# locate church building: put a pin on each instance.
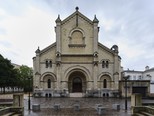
(77, 62)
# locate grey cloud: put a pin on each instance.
(5, 43)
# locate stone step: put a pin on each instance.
(16, 115)
(146, 114)
(9, 114)
(138, 114)
(76, 95)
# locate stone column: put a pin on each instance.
(96, 30)
(58, 51)
(58, 76)
(116, 69)
(58, 34)
(95, 51)
(95, 76)
(18, 100)
(36, 65)
(136, 100)
(116, 81)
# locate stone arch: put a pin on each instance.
(82, 69)
(48, 73)
(105, 73)
(81, 73)
(76, 36)
(105, 81)
(46, 78)
(76, 29)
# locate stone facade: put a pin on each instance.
(138, 82)
(77, 62)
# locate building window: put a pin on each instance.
(49, 83)
(104, 83)
(134, 77)
(48, 63)
(105, 64)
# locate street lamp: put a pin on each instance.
(126, 78)
(29, 94)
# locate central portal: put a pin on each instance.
(77, 82)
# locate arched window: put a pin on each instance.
(46, 95)
(103, 64)
(49, 83)
(46, 63)
(104, 83)
(50, 63)
(107, 64)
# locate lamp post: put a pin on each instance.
(126, 78)
(29, 94)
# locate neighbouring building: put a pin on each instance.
(16, 66)
(139, 82)
(76, 62)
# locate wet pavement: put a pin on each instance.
(87, 107)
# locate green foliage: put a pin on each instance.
(26, 74)
(12, 77)
(6, 72)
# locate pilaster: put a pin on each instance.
(58, 34)
(96, 30)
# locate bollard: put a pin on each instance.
(100, 110)
(36, 107)
(116, 107)
(76, 107)
(56, 107)
(98, 105)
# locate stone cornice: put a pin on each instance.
(79, 15)
(105, 48)
(77, 55)
(47, 48)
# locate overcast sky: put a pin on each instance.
(27, 24)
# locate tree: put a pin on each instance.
(15, 78)
(26, 74)
(7, 73)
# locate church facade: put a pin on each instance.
(77, 62)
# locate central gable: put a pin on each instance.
(77, 34)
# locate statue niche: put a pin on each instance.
(76, 39)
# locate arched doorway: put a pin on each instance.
(48, 82)
(105, 82)
(77, 84)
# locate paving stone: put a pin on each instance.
(87, 107)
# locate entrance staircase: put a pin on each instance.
(143, 114)
(76, 94)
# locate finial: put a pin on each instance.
(38, 50)
(95, 19)
(58, 19)
(77, 8)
